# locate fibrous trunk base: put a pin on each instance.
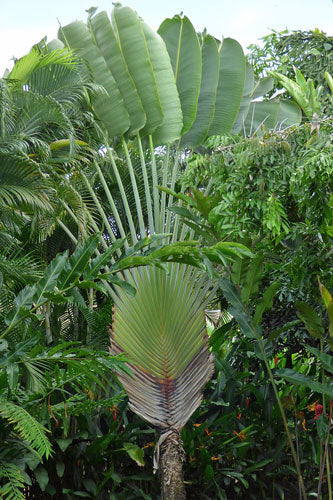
(171, 468)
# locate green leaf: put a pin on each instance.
(22, 303)
(245, 102)
(87, 284)
(262, 87)
(3, 345)
(184, 50)
(232, 76)
(261, 114)
(258, 465)
(29, 63)
(64, 443)
(60, 467)
(301, 379)
(266, 303)
(322, 427)
(209, 472)
(187, 199)
(110, 108)
(203, 202)
(287, 326)
(77, 262)
(171, 128)
(110, 49)
(296, 92)
(27, 427)
(237, 309)
(13, 373)
(252, 278)
(95, 265)
(13, 481)
(325, 359)
(207, 96)
(310, 318)
(129, 289)
(133, 44)
(329, 80)
(289, 114)
(328, 301)
(51, 274)
(135, 452)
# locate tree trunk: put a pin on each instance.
(171, 468)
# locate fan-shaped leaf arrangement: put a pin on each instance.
(162, 329)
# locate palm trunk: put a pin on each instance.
(171, 468)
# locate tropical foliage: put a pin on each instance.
(163, 233)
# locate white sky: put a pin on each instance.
(24, 23)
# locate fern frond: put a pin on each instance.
(27, 427)
(12, 489)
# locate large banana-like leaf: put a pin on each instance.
(162, 330)
(207, 97)
(134, 48)
(246, 100)
(172, 125)
(274, 114)
(184, 51)
(230, 87)
(109, 46)
(111, 110)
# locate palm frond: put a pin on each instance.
(18, 269)
(21, 183)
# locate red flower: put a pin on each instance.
(318, 411)
(239, 416)
(276, 361)
(247, 401)
(114, 411)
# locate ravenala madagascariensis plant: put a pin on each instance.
(168, 89)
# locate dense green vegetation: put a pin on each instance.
(165, 270)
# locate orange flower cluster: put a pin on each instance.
(240, 434)
(148, 445)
